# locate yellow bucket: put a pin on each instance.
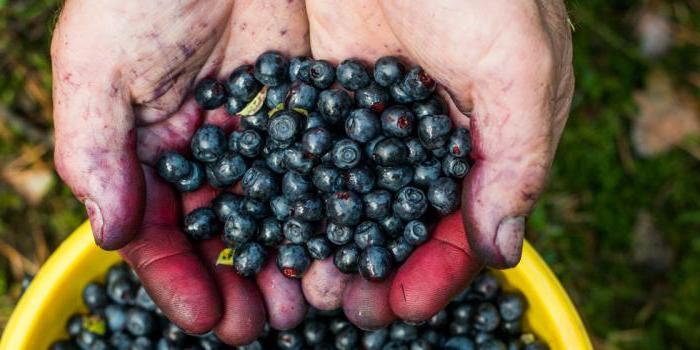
(55, 294)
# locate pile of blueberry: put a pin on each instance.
(348, 169)
(123, 317)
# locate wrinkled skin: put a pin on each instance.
(122, 75)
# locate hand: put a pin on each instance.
(506, 71)
(122, 76)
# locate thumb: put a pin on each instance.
(95, 153)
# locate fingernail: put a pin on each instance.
(509, 239)
(96, 220)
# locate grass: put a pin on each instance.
(584, 225)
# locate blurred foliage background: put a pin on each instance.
(619, 222)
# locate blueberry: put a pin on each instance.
(375, 263)
(462, 313)
(346, 258)
(234, 105)
(296, 160)
(416, 152)
(226, 170)
(439, 152)
(434, 337)
(388, 70)
(377, 204)
(397, 121)
(374, 340)
(95, 296)
(373, 97)
(316, 142)
(260, 183)
(270, 232)
(299, 69)
(327, 178)
(271, 68)
(346, 339)
(285, 126)
(339, 234)
(362, 125)
(314, 332)
(122, 291)
(346, 154)
(427, 173)
(391, 225)
(511, 328)
(250, 143)
(249, 258)
(297, 231)
(277, 95)
(255, 208)
(400, 249)
(257, 121)
(302, 96)
(432, 106)
(100, 344)
(399, 94)
(63, 345)
(455, 167)
(238, 229)
(308, 208)
(486, 317)
(390, 152)
(395, 345)
(210, 93)
(434, 130)
(360, 179)
(208, 143)
(421, 344)
(394, 178)
(459, 328)
(410, 203)
(210, 341)
(481, 337)
(120, 341)
(334, 105)
(372, 144)
(344, 208)
(368, 233)
(233, 138)
(402, 331)
(295, 185)
(415, 233)
(443, 195)
(144, 300)
(485, 287)
(201, 224)
(290, 340)
(319, 248)
(418, 84)
(352, 75)
(459, 343)
(492, 344)
(174, 335)
(242, 83)
(460, 143)
(336, 325)
(536, 345)
(275, 161)
(140, 322)
(225, 204)
(439, 319)
(86, 339)
(173, 166)
(322, 74)
(193, 180)
(117, 272)
(315, 120)
(293, 260)
(75, 324)
(511, 306)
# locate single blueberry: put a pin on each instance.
(225, 204)
(421, 344)
(339, 234)
(314, 332)
(238, 229)
(375, 263)
(120, 341)
(360, 179)
(327, 178)
(374, 340)
(373, 97)
(95, 296)
(388, 70)
(293, 260)
(299, 69)
(242, 83)
(434, 337)
(346, 154)
(410, 203)
(117, 272)
(460, 143)
(193, 180)
(400, 249)
(439, 319)
(201, 224)
(322, 74)
(390, 152)
(208, 143)
(459, 328)
(432, 106)
(172, 166)
(174, 335)
(226, 170)
(270, 232)
(492, 344)
(296, 160)
(257, 121)
(336, 325)
(394, 178)
(281, 208)
(481, 337)
(315, 120)
(397, 121)
(75, 324)
(319, 248)
(352, 75)
(485, 287)
(372, 144)
(210, 93)
(344, 208)
(402, 331)
(399, 94)
(144, 300)
(140, 322)
(511, 328)
(511, 306)
(255, 208)
(295, 185)
(362, 125)
(142, 343)
(290, 340)
(260, 183)
(297, 231)
(346, 258)
(415, 233)
(276, 161)
(418, 84)
(443, 195)
(308, 208)
(277, 95)
(462, 313)
(115, 315)
(391, 225)
(416, 152)
(334, 105)
(347, 339)
(368, 233)
(249, 258)
(459, 343)
(250, 143)
(434, 130)
(271, 68)
(395, 345)
(427, 173)
(302, 96)
(486, 317)
(234, 105)
(316, 142)
(377, 204)
(455, 167)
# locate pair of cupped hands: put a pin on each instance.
(123, 76)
